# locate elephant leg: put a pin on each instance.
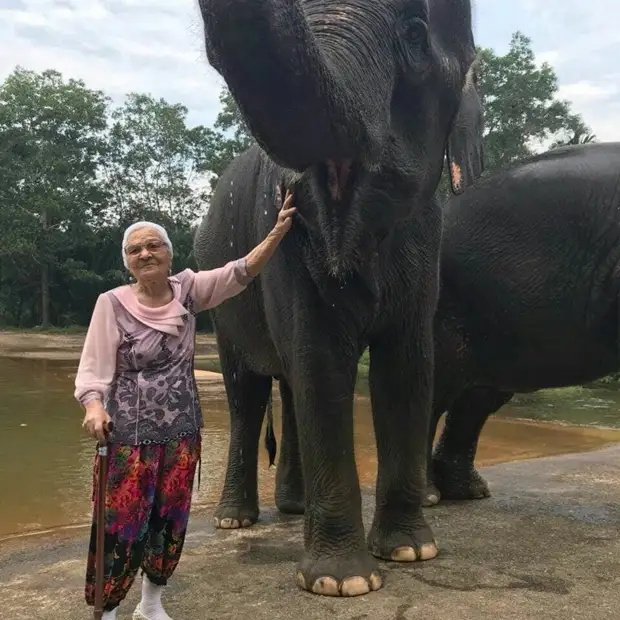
(453, 459)
(401, 369)
(289, 476)
(336, 561)
(433, 495)
(248, 394)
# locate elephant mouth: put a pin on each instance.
(338, 180)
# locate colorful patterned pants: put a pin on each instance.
(148, 499)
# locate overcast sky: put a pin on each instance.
(156, 46)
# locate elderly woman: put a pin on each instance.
(136, 370)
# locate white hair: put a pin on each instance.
(160, 229)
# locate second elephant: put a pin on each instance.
(529, 297)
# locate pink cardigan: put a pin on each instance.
(100, 356)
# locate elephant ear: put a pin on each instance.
(464, 150)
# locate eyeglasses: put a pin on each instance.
(150, 246)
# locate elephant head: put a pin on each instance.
(357, 96)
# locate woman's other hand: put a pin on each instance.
(96, 421)
(259, 256)
(285, 216)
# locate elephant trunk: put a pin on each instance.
(306, 79)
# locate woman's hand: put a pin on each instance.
(285, 216)
(96, 421)
(258, 257)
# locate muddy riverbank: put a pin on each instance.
(59, 346)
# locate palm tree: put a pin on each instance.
(580, 135)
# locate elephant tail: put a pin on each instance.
(271, 443)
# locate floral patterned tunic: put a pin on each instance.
(139, 361)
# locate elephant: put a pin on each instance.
(529, 296)
(354, 106)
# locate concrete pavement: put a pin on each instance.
(545, 546)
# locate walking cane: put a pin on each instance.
(102, 451)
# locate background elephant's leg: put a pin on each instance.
(453, 459)
(450, 374)
(336, 561)
(248, 394)
(446, 390)
(289, 477)
(400, 388)
(433, 495)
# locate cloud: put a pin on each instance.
(156, 46)
(551, 57)
(587, 92)
(117, 46)
(578, 41)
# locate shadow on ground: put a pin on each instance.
(546, 545)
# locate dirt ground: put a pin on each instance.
(546, 545)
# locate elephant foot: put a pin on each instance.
(432, 496)
(460, 483)
(349, 575)
(412, 544)
(234, 517)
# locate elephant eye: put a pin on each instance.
(414, 44)
(415, 31)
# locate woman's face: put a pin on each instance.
(148, 258)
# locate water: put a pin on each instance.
(590, 406)
(46, 458)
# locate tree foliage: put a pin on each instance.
(232, 136)
(75, 172)
(521, 108)
(53, 139)
(154, 161)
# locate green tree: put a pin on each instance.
(231, 137)
(230, 119)
(521, 108)
(155, 162)
(52, 137)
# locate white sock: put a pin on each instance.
(109, 615)
(150, 605)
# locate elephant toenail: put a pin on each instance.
(354, 586)
(327, 586)
(375, 581)
(404, 554)
(301, 580)
(428, 552)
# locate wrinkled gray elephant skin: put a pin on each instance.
(529, 296)
(353, 105)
